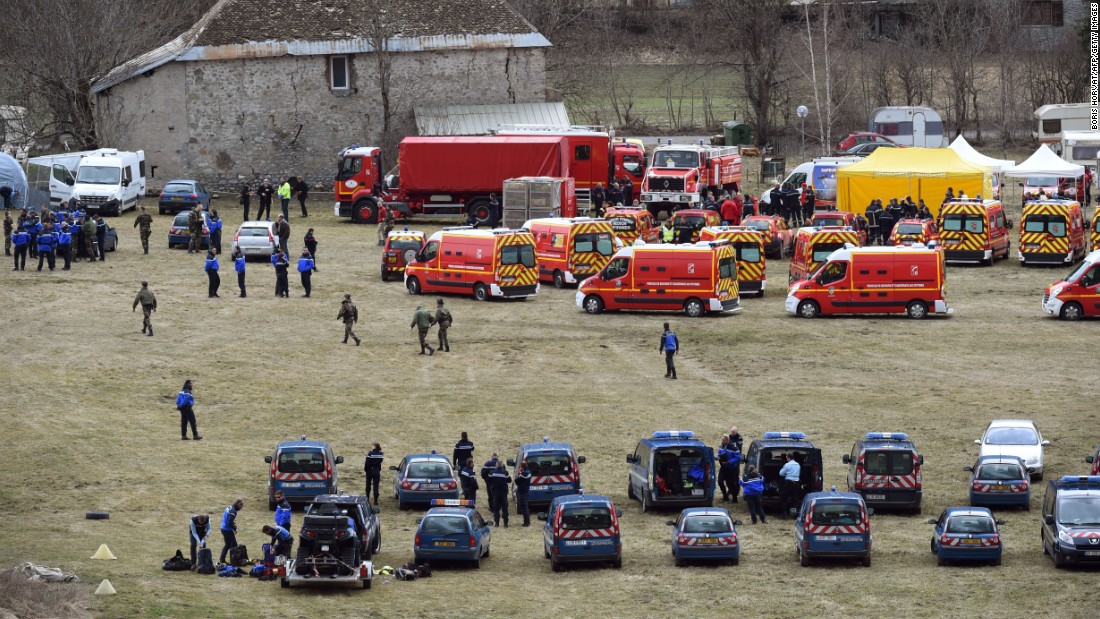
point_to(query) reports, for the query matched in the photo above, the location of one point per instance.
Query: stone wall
(220, 120)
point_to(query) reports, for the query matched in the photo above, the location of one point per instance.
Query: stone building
(271, 87)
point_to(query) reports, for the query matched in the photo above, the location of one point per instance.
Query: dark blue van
(672, 468)
(554, 470)
(833, 525)
(582, 528)
(303, 470)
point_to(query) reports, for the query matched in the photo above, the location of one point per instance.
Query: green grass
(88, 422)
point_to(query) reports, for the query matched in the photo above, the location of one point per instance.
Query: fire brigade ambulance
(813, 245)
(1078, 295)
(630, 223)
(1052, 232)
(696, 278)
(570, 250)
(749, 245)
(974, 231)
(885, 468)
(1095, 230)
(680, 173)
(873, 280)
(401, 249)
(485, 263)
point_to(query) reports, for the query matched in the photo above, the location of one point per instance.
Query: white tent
(969, 155)
(1043, 162)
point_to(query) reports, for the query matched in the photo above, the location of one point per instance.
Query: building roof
(235, 29)
(485, 119)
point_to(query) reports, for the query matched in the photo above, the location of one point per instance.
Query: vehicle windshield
(1084, 266)
(1054, 225)
(909, 229)
(695, 221)
(707, 524)
(542, 464)
(301, 461)
(432, 470)
(829, 221)
(1086, 152)
(623, 224)
(970, 223)
(759, 224)
(748, 252)
(822, 250)
(444, 525)
(1041, 181)
(1000, 472)
(1079, 511)
(252, 231)
(599, 242)
(888, 462)
(178, 188)
(727, 267)
(633, 164)
(586, 518)
(676, 159)
(98, 175)
(970, 524)
(836, 513)
(1011, 436)
(350, 166)
(402, 245)
(518, 254)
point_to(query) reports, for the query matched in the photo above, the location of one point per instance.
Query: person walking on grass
(670, 346)
(305, 270)
(349, 314)
(148, 302)
(185, 404)
(423, 321)
(214, 280)
(240, 264)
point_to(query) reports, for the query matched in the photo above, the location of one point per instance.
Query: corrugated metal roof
(483, 119)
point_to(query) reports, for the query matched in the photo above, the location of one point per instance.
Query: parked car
(256, 238)
(861, 137)
(179, 234)
(705, 534)
(421, 478)
(862, 150)
(1015, 437)
(183, 195)
(999, 480)
(966, 534)
(452, 530)
(778, 238)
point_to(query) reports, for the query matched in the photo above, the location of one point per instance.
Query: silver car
(256, 238)
(1015, 437)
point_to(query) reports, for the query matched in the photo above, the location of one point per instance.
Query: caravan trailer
(909, 125)
(1081, 147)
(1052, 120)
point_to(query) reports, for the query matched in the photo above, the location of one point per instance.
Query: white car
(256, 238)
(1015, 437)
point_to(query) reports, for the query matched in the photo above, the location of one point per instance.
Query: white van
(1081, 147)
(110, 181)
(819, 174)
(1052, 120)
(909, 125)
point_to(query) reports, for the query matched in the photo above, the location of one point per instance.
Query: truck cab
(885, 468)
(671, 468)
(358, 171)
(1078, 294)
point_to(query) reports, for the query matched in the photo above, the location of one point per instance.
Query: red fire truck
(679, 174)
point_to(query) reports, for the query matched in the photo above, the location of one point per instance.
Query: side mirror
(419, 520)
(932, 521)
(737, 523)
(125, 183)
(1000, 522)
(968, 469)
(393, 468)
(1088, 459)
(580, 459)
(1048, 518)
(630, 458)
(267, 459)
(977, 441)
(541, 516)
(339, 459)
(670, 523)
(376, 510)
(70, 182)
(603, 275)
(510, 462)
(1045, 442)
(618, 513)
(847, 459)
(792, 511)
(870, 512)
(920, 460)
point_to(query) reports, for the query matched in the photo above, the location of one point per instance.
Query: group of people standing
(288, 188)
(794, 204)
(68, 235)
(616, 194)
(882, 219)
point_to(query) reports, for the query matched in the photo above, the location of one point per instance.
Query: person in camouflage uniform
(145, 220)
(148, 302)
(444, 319)
(87, 230)
(423, 320)
(194, 226)
(350, 315)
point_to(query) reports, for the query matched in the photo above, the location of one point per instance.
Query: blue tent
(11, 175)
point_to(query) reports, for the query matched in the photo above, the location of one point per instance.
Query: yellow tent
(916, 172)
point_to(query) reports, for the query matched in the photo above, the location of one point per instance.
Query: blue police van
(833, 525)
(885, 467)
(302, 470)
(767, 455)
(554, 470)
(1071, 520)
(672, 468)
(582, 528)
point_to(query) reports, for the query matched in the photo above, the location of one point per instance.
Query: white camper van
(110, 181)
(1052, 120)
(1081, 147)
(909, 125)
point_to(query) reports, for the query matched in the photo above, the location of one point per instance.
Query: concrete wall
(218, 120)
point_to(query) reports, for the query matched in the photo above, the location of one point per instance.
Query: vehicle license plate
(444, 543)
(541, 487)
(429, 486)
(953, 241)
(707, 540)
(1032, 245)
(1092, 553)
(998, 488)
(971, 542)
(876, 497)
(826, 538)
(575, 542)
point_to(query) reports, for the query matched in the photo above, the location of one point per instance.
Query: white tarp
(12, 175)
(1043, 162)
(967, 152)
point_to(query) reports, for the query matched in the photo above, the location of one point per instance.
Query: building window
(1043, 13)
(338, 72)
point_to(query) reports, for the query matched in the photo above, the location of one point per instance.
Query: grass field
(88, 422)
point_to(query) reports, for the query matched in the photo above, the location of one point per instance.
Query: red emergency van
(822, 219)
(631, 223)
(697, 218)
(696, 278)
(1078, 295)
(873, 280)
(1095, 229)
(484, 263)
(749, 245)
(1052, 232)
(813, 245)
(974, 231)
(570, 250)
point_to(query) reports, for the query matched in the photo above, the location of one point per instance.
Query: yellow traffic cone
(105, 588)
(104, 553)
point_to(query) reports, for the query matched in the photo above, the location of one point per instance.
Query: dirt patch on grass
(23, 599)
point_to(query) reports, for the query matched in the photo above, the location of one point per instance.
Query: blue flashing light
(1082, 479)
(887, 436)
(674, 434)
(546, 439)
(794, 436)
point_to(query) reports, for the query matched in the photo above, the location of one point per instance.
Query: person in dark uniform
(245, 199)
(34, 226)
(199, 531)
(8, 229)
(65, 245)
(264, 192)
(145, 221)
(753, 485)
(311, 244)
(215, 226)
(229, 528)
(736, 446)
(282, 231)
(148, 302)
(684, 231)
(886, 221)
(725, 471)
(101, 236)
(302, 189)
(282, 541)
(282, 510)
(670, 346)
(464, 450)
(443, 320)
(372, 466)
(498, 493)
(597, 200)
(305, 271)
(240, 264)
(468, 477)
(487, 468)
(47, 246)
(775, 200)
(614, 194)
(494, 211)
(282, 285)
(185, 404)
(627, 189)
(809, 200)
(874, 209)
(88, 230)
(213, 279)
(523, 490)
(22, 240)
(6, 194)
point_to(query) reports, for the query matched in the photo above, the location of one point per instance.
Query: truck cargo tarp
(1043, 162)
(472, 164)
(916, 172)
(970, 155)
(12, 175)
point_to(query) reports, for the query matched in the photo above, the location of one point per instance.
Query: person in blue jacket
(200, 531)
(281, 539)
(729, 462)
(212, 276)
(305, 270)
(229, 528)
(282, 510)
(47, 245)
(65, 245)
(239, 264)
(753, 486)
(22, 240)
(214, 224)
(670, 346)
(185, 403)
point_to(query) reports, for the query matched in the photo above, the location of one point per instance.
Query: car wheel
(385, 274)
(932, 547)
(736, 560)
(163, 210)
(1059, 560)
(1043, 542)
(940, 561)
(417, 559)
(803, 559)
(808, 309)
(593, 304)
(694, 308)
(555, 566)
(559, 279)
(413, 285)
(916, 310)
(368, 552)
(866, 561)
(545, 552)
(645, 502)
(617, 564)
(480, 211)
(476, 563)
(997, 562)
(366, 583)
(401, 505)
(487, 549)
(481, 293)
(284, 583)
(377, 546)
(630, 490)
(677, 561)
(1071, 311)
